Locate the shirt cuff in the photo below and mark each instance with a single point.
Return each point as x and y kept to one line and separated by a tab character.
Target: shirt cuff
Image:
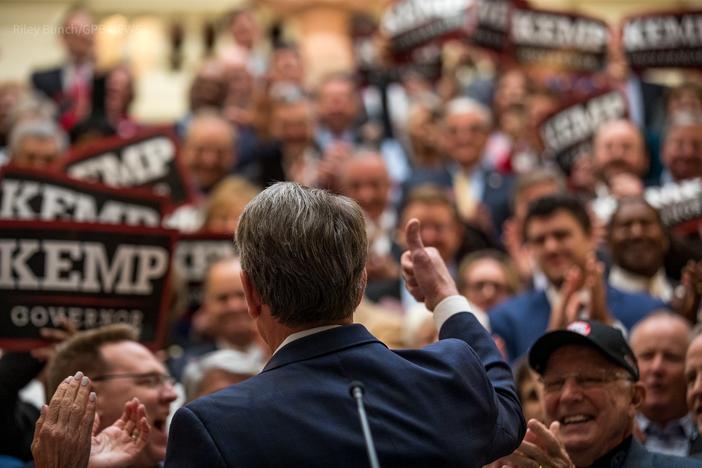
453	305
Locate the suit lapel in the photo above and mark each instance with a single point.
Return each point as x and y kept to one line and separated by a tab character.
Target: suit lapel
321	343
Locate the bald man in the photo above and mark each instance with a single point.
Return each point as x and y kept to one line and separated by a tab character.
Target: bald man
660	342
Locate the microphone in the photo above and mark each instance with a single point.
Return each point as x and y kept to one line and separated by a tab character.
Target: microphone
356	391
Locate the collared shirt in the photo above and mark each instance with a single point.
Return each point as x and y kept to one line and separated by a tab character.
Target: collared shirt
616	457
657	286
443	311
672	439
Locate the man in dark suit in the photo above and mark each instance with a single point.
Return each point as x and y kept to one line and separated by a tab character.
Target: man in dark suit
482	194
560	235
74	86
303	253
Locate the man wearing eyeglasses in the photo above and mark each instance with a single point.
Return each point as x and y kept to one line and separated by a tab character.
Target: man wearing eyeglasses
591	392
120	369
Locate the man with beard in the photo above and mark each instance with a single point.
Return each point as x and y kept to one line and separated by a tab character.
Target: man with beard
640	246
619	157
659	342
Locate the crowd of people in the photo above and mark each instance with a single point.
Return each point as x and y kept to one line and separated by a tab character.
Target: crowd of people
596	315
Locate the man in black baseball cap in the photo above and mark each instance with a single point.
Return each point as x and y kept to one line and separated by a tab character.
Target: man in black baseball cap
590	396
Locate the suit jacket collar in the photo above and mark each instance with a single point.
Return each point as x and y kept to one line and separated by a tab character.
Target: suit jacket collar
324	342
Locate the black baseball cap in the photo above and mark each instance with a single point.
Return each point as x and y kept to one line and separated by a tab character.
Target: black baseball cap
607	340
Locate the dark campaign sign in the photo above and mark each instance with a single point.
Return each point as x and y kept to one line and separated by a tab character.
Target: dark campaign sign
411	24
567	132
671	39
92	274
679	204
149	159
559	41
49	196
194	254
493	28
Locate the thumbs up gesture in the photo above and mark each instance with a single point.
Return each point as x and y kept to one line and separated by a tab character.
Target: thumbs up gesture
424	271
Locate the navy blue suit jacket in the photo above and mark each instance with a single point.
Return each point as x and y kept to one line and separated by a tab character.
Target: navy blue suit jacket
452	403
496	195
521	320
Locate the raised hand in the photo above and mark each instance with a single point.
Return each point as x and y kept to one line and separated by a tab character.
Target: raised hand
541	447
424	271
62	433
119	444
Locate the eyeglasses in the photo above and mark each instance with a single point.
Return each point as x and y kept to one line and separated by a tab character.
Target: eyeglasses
583	380
146	379
478	286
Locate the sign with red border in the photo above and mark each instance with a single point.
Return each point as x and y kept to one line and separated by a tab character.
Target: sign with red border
50	196
92	274
149	159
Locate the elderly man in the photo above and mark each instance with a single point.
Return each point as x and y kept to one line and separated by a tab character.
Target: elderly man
209	149
559	232
120	369
223	317
590	394
482	194
37	144
659	342
449	404
619	157
682	149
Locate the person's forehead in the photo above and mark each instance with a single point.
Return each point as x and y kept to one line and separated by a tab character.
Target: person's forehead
634	210
130	356
224	273
694	352
485	267
574	358
460	119
428	211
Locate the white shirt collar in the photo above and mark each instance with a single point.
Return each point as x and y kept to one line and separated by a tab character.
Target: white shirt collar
657	286
301	334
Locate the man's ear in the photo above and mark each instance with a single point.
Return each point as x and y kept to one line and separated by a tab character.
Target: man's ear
253	299
638	394
362	289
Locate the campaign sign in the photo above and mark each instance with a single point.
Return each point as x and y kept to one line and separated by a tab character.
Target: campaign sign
560	41
48	196
411	24
193	256
671	39
92	274
148	159
679	204
567	132
493	28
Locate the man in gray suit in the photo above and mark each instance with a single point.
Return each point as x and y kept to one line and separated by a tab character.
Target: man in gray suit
591	392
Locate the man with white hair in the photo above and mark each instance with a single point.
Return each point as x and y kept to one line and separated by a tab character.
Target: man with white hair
481	193
37	144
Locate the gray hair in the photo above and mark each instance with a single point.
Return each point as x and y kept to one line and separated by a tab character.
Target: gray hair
537	176
40	129
305	252
466	105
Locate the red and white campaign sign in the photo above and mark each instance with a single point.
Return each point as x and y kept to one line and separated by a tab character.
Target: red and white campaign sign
149	159
558	40
661	40
49	196
92	274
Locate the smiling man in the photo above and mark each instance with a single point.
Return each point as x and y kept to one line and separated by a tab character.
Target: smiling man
120	369
559	233
591	394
